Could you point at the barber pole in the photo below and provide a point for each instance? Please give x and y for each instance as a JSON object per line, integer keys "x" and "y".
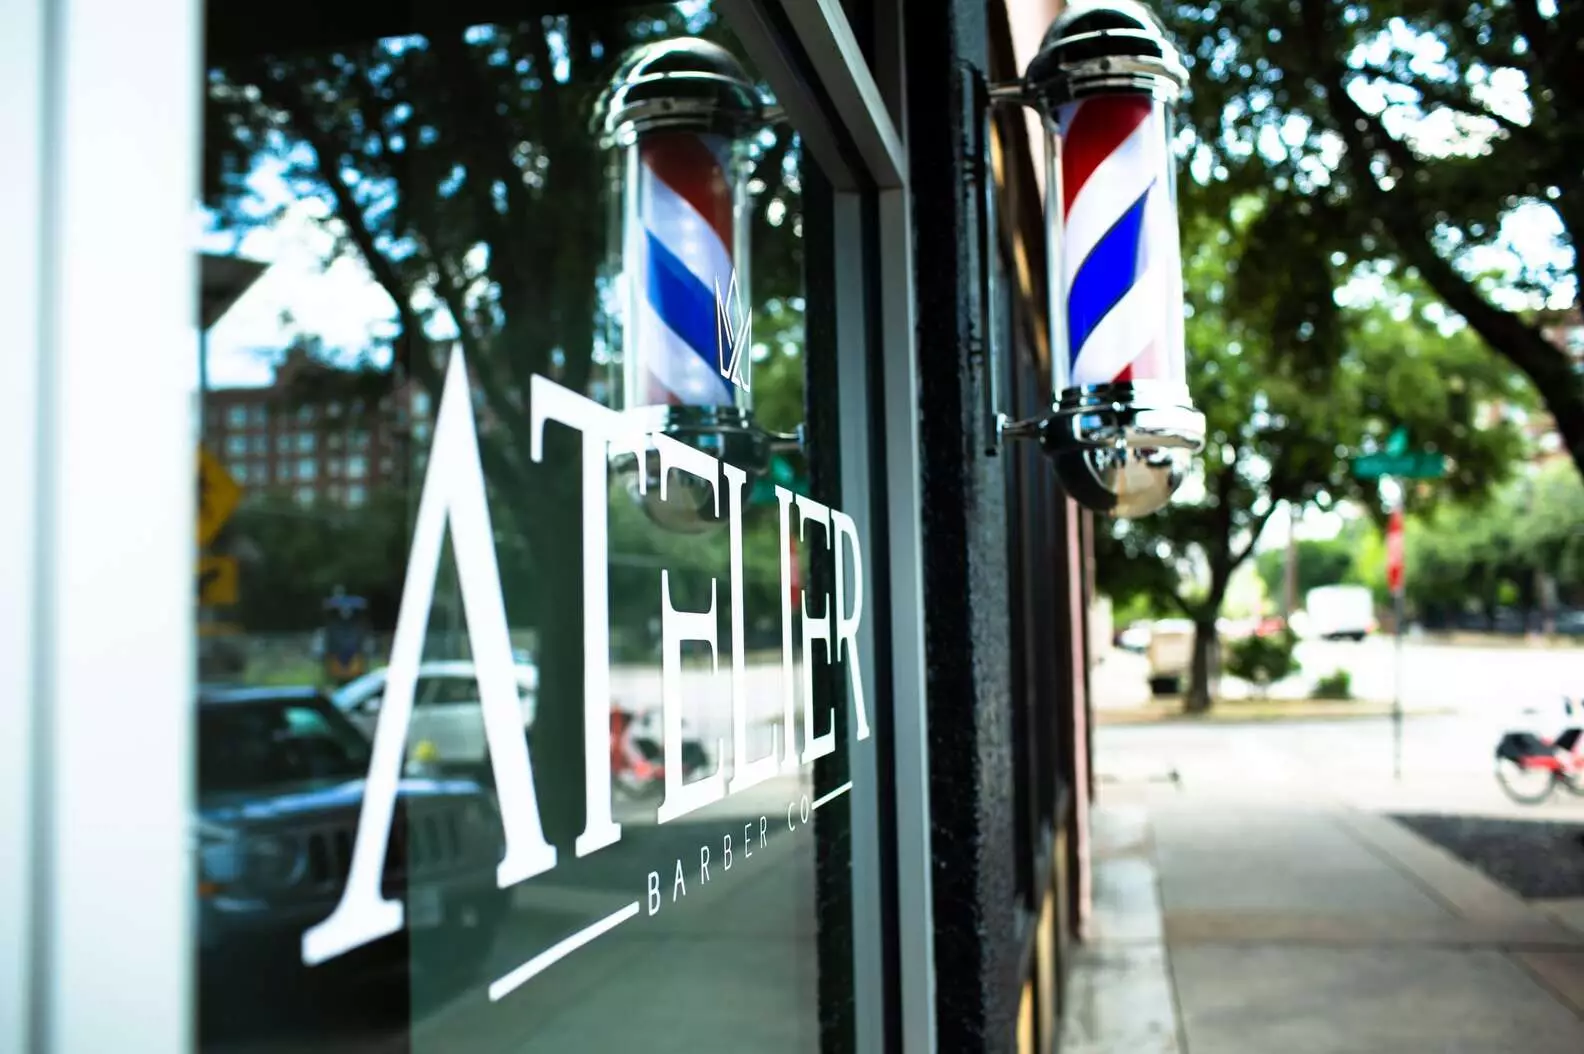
{"x": 1123, "y": 429}
{"x": 679, "y": 254}
{"x": 1120, "y": 261}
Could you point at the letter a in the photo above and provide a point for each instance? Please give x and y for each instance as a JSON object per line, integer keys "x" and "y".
{"x": 453, "y": 492}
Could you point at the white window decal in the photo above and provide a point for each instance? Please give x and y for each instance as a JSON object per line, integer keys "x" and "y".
{"x": 453, "y": 494}
{"x": 733, "y": 331}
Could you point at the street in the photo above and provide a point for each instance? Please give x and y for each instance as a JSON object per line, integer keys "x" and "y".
{"x": 1469, "y": 679}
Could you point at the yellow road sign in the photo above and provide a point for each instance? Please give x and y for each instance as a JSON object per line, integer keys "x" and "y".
{"x": 218, "y": 495}
{"x": 217, "y": 580}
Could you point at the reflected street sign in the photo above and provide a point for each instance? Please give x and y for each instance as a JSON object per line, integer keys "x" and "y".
{"x": 218, "y": 495}
{"x": 217, "y": 580}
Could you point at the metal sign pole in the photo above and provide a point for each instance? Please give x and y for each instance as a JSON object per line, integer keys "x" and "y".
{"x": 1397, "y": 694}
{"x": 1396, "y": 572}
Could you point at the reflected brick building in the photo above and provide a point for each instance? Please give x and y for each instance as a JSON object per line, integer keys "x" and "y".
{"x": 333, "y": 452}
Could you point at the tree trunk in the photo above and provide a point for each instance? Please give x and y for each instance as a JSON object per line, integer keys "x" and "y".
{"x": 1197, "y": 700}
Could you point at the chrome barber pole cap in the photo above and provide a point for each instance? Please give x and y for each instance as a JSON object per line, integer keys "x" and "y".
{"x": 680, "y": 120}
{"x": 1123, "y": 428}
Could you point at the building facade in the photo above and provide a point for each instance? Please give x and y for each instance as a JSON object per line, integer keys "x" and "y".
{"x": 729, "y": 686}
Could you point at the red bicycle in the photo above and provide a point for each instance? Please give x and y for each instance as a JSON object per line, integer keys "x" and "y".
{"x": 1531, "y": 767}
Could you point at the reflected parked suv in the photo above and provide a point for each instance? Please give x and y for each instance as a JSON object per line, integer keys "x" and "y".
{"x": 281, "y": 777}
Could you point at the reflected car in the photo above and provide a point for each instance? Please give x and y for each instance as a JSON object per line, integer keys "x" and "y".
{"x": 1134, "y": 638}
{"x": 446, "y": 718}
{"x": 281, "y": 777}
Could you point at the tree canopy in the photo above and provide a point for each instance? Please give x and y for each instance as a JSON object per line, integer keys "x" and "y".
{"x": 1441, "y": 137}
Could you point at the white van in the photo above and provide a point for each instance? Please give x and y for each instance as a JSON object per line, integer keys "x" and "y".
{"x": 1340, "y": 613}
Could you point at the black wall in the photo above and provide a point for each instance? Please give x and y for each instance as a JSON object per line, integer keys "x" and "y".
{"x": 967, "y": 630}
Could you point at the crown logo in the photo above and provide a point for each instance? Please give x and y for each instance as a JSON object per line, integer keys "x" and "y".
{"x": 733, "y": 332}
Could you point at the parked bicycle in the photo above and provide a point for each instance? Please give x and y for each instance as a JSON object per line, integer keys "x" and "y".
{"x": 1531, "y": 767}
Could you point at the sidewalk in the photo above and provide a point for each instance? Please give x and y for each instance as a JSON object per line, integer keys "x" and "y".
{"x": 1228, "y": 927}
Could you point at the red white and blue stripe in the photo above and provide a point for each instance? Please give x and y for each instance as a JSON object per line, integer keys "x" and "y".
{"x": 1121, "y": 267}
{"x": 677, "y": 252}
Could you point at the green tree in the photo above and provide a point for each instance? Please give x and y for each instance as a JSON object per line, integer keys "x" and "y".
{"x": 1292, "y": 384}
{"x": 1321, "y": 562}
{"x": 1497, "y": 552}
{"x": 1419, "y": 129}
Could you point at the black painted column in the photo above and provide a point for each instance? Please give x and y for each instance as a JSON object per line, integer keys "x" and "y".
{"x": 967, "y": 625}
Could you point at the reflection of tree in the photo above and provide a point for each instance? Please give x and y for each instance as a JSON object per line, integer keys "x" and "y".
{"x": 460, "y": 167}
{"x": 298, "y": 557}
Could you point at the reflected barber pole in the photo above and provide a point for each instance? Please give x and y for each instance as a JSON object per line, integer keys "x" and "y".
{"x": 678, "y": 258}
{"x": 1120, "y": 257}
{"x": 683, "y": 123}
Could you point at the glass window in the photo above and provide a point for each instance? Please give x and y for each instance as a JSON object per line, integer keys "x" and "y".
{"x": 305, "y": 442}
{"x": 238, "y": 471}
{"x": 334, "y": 441}
{"x": 236, "y": 416}
{"x": 258, "y": 415}
{"x": 283, "y": 443}
{"x": 305, "y": 415}
{"x": 236, "y": 444}
{"x": 697, "y": 881}
{"x": 333, "y": 467}
{"x": 260, "y": 444}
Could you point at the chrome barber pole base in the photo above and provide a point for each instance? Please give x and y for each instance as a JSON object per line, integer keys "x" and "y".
{"x": 1120, "y": 449}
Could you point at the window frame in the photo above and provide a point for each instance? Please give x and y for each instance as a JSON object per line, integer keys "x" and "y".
{"x": 108, "y": 785}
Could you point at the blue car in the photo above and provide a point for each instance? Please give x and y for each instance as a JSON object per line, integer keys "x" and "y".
{"x": 280, "y": 778}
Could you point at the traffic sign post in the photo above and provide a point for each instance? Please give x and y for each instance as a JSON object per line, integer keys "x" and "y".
{"x": 1394, "y": 579}
{"x": 1400, "y": 462}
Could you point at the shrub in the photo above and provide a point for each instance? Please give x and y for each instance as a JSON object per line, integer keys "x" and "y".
{"x": 1336, "y": 685}
{"x": 1263, "y": 660}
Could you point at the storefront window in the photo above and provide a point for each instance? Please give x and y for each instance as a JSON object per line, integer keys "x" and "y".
{"x": 538, "y": 736}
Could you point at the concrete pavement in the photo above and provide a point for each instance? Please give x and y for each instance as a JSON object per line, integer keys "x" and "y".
{"x": 1224, "y": 927}
{"x": 1252, "y": 895}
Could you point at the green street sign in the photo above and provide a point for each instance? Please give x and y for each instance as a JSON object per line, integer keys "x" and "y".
{"x": 1397, "y": 442}
{"x": 1418, "y": 464}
